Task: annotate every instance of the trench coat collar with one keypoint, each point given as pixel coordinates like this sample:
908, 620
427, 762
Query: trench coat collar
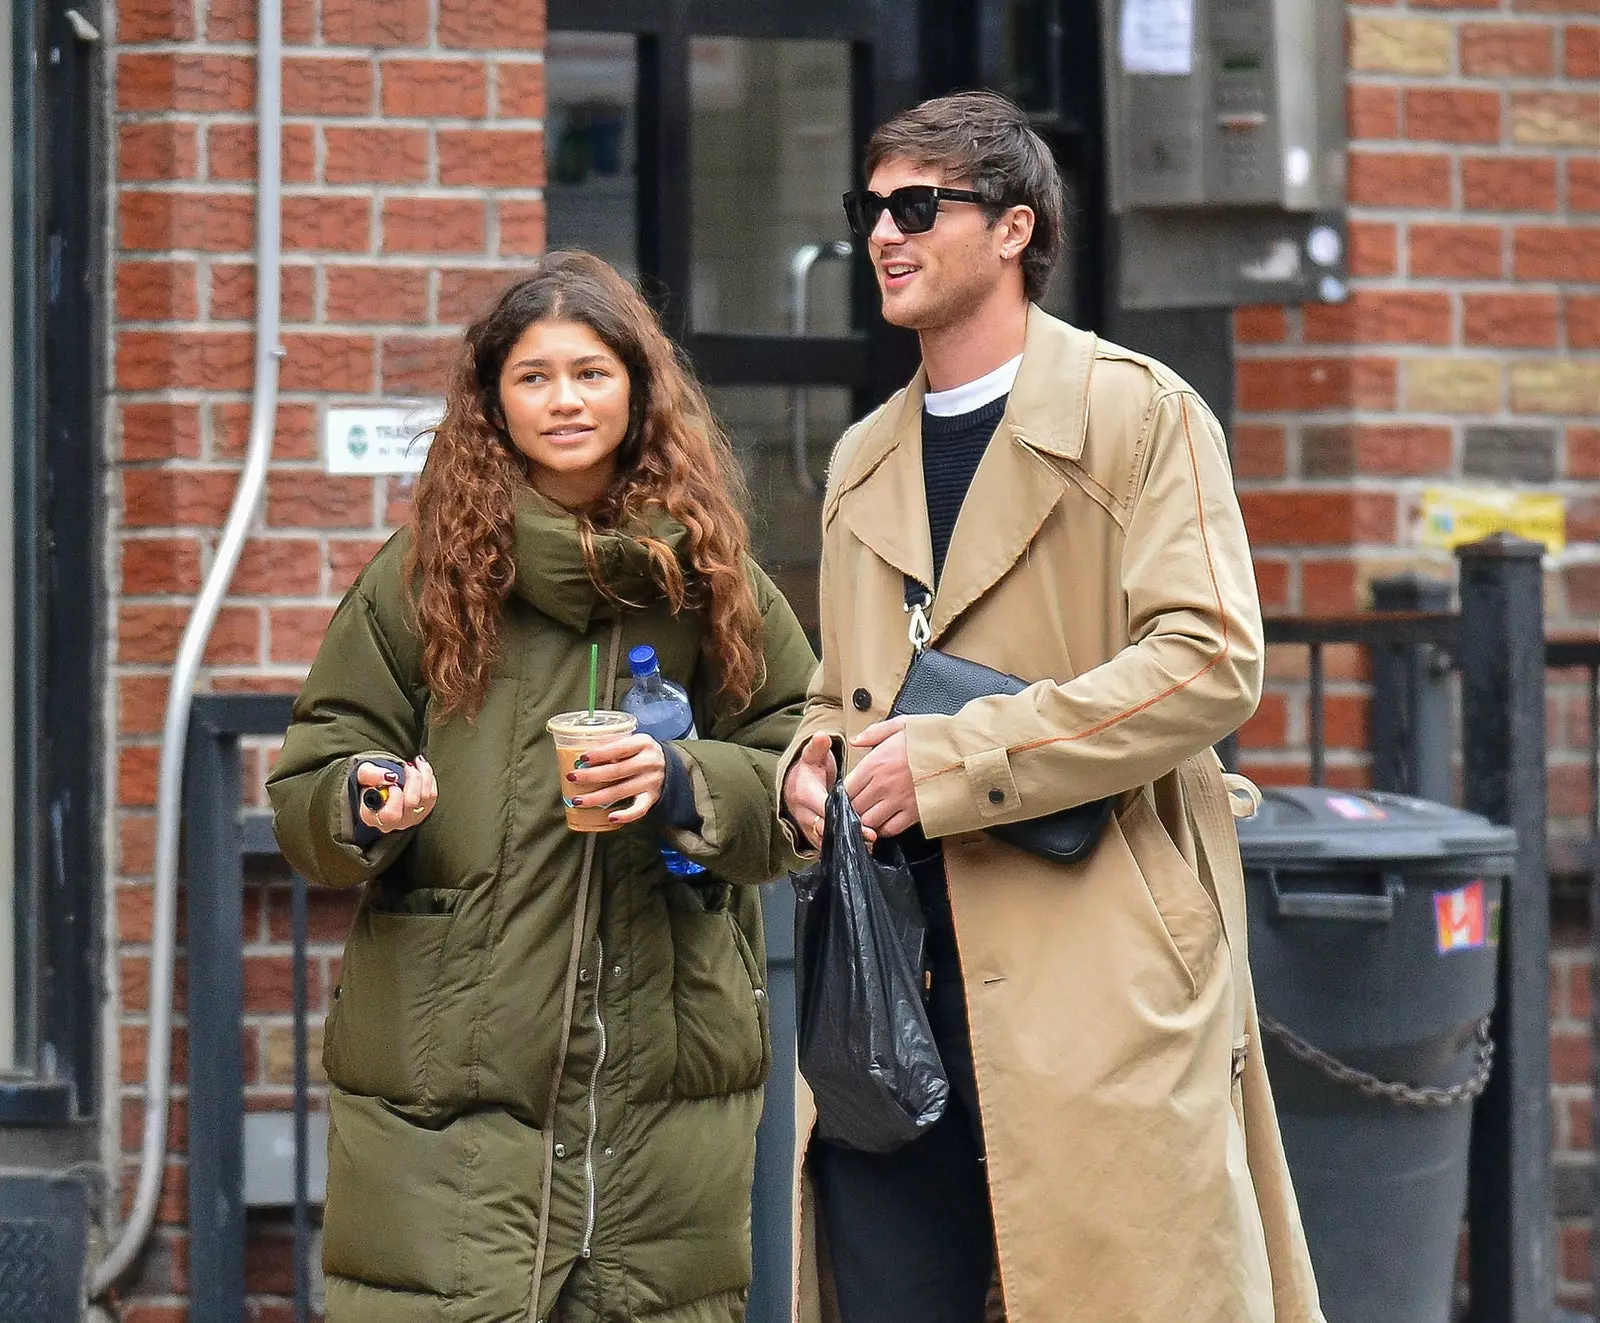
1013, 491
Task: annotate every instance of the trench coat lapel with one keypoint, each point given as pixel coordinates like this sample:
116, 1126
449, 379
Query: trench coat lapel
1016, 485
1012, 493
887, 508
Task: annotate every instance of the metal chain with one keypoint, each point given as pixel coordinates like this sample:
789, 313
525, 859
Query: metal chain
1405, 1095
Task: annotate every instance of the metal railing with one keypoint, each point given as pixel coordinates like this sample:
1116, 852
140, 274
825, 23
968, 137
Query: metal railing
218, 839
1405, 638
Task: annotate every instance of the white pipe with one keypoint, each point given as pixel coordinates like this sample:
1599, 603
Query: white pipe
175, 730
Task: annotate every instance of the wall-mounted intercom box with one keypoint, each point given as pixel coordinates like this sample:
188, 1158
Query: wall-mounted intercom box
1227, 148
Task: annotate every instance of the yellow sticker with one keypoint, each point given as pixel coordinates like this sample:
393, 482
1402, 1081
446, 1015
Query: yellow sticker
1454, 515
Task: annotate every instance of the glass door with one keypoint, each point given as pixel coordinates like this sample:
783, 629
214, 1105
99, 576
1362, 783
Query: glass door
703, 147
771, 148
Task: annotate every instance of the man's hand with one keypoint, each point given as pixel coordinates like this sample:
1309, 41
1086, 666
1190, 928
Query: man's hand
805, 788
880, 785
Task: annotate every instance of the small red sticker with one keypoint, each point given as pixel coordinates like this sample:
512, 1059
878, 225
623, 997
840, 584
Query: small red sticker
1459, 917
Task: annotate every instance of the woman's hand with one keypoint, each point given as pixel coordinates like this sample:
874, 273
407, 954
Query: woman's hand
633, 767
406, 805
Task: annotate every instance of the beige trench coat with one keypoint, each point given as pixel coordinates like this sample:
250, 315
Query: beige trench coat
1135, 1165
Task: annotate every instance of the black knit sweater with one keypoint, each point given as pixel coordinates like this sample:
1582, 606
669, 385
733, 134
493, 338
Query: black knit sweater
951, 451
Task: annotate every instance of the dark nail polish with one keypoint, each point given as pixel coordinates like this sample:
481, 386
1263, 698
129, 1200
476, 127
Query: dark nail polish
583, 761
572, 776
577, 803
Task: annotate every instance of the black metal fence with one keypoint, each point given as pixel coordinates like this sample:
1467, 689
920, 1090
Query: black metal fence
1495, 644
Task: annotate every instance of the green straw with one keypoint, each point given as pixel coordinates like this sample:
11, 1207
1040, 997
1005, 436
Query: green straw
594, 674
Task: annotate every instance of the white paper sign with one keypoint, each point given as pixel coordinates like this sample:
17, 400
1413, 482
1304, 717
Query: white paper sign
1158, 36
378, 440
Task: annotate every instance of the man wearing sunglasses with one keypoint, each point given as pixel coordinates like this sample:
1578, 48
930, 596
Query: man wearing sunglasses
1110, 1149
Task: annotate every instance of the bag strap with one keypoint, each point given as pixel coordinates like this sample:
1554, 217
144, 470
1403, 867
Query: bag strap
918, 605
569, 997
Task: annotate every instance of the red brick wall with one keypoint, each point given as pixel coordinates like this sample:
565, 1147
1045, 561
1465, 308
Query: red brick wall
1467, 352
413, 161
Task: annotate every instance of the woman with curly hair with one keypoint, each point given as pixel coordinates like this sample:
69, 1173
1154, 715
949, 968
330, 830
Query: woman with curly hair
546, 1049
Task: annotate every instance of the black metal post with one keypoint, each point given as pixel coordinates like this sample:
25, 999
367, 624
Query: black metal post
1411, 736
1512, 1271
214, 872
771, 1220
1316, 717
302, 1219
1593, 855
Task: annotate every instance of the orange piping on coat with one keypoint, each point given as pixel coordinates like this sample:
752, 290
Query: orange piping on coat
1222, 615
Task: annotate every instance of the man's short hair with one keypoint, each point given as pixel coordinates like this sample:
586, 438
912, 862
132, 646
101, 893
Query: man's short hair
982, 140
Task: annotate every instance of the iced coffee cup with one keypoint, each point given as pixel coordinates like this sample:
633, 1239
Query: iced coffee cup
575, 733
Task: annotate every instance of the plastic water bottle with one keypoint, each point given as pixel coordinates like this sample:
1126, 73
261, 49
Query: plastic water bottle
662, 710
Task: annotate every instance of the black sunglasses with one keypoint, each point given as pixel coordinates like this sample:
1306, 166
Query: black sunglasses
913, 208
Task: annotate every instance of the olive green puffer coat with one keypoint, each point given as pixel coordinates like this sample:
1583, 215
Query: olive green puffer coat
547, 1070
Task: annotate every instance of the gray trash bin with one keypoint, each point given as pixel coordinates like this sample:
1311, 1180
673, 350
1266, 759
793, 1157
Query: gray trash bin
1374, 934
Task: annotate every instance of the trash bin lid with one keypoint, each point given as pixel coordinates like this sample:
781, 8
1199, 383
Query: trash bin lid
1320, 826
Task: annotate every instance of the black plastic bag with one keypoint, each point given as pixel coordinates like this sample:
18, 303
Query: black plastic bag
865, 1045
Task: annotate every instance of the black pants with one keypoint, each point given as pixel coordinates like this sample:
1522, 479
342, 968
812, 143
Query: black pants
910, 1233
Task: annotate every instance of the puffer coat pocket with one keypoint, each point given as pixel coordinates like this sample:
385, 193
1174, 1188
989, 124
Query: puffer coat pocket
380, 1038
719, 997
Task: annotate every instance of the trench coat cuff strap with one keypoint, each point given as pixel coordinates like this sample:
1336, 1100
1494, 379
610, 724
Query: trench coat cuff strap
799, 845
947, 801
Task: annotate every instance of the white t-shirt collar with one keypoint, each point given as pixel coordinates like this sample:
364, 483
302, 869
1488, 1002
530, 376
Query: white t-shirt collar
974, 394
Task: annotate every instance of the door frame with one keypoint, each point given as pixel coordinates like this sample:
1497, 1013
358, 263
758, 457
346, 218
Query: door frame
874, 359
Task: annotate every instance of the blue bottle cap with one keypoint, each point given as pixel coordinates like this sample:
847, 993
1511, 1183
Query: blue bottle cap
642, 660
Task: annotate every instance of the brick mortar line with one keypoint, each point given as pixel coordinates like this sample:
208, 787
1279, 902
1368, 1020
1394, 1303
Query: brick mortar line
1503, 149
236, 118
268, 601
1556, 83
1387, 349
380, 191
342, 329
424, 263
430, 52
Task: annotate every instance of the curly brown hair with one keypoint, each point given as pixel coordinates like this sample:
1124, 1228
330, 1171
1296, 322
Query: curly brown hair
674, 458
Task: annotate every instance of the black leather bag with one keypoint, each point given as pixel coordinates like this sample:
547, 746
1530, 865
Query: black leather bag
941, 685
